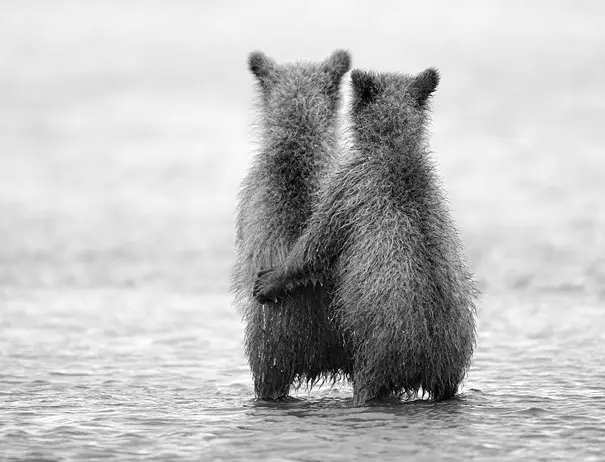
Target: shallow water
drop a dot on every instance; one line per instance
(124, 132)
(93, 374)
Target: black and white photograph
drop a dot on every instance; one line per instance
(302, 231)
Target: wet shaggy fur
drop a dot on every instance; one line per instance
(298, 123)
(382, 238)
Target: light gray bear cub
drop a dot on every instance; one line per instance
(299, 105)
(382, 238)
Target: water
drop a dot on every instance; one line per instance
(94, 374)
(123, 137)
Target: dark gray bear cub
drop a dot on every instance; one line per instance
(382, 238)
(299, 104)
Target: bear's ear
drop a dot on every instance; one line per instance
(365, 87)
(424, 85)
(338, 64)
(262, 67)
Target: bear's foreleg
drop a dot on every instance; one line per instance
(273, 285)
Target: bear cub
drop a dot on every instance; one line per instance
(382, 240)
(298, 125)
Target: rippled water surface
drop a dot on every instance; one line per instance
(124, 132)
(106, 373)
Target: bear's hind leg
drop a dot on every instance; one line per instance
(271, 355)
(364, 390)
(444, 391)
(272, 384)
(360, 396)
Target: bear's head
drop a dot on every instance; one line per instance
(387, 106)
(300, 96)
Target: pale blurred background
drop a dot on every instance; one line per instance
(125, 130)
